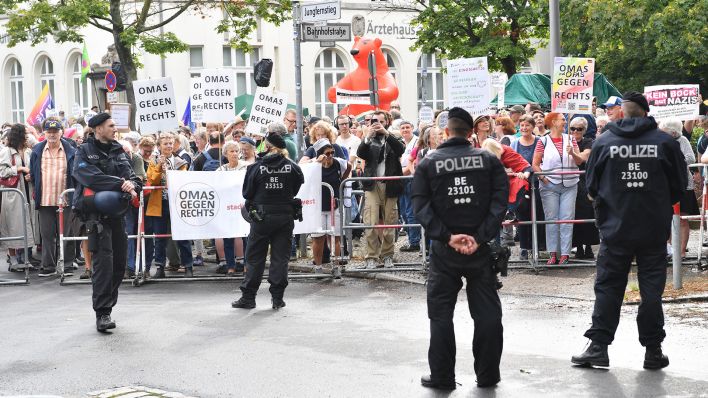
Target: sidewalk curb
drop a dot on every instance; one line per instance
(677, 300)
(372, 276)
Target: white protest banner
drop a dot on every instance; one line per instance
(207, 204)
(426, 114)
(498, 86)
(268, 107)
(673, 101)
(156, 109)
(76, 110)
(218, 93)
(572, 85)
(196, 98)
(359, 97)
(468, 84)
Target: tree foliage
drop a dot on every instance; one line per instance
(134, 24)
(638, 43)
(506, 31)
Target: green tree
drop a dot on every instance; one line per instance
(638, 43)
(134, 24)
(508, 32)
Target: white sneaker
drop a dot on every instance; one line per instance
(388, 262)
(370, 263)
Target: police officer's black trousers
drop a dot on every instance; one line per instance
(108, 264)
(444, 284)
(276, 231)
(613, 265)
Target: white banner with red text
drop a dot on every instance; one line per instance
(207, 204)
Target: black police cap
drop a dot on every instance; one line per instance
(461, 114)
(637, 98)
(98, 119)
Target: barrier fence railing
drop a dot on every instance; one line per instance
(347, 226)
(27, 265)
(141, 276)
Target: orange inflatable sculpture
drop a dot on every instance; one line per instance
(358, 80)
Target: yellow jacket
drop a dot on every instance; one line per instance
(154, 178)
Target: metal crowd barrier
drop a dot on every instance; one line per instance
(346, 226)
(25, 212)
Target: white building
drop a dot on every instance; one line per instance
(25, 69)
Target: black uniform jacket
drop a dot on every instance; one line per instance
(460, 189)
(635, 173)
(272, 180)
(101, 171)
(390, 150)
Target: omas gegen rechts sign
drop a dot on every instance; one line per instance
(156, 107)
(196, 203)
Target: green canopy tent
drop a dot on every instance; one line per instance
(244, 103)
(523, 88)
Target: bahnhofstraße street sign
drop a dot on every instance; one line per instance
(330, 32)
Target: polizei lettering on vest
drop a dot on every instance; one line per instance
(633, 151)
(459, 164)
(283, 170)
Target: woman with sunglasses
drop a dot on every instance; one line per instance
(558, 152)
(584, 235)
(334, 170)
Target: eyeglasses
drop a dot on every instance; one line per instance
(290, 121)
(577, 128)
(342, 124)
(329, 154)
(367, 121)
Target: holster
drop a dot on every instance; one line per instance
(297, 209)
(94, 228)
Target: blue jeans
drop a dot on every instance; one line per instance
(161, 226)
(230, 251)
(131, 228)
(559, 204)
(407, 215)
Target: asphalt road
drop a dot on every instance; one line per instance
(346, 338)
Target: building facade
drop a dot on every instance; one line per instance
(25, 69)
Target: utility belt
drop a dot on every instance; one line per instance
(258, 212)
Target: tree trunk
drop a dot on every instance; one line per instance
(509, 65)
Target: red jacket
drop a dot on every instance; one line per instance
(512, 160)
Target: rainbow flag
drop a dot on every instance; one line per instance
(39, 110)
(85, 64)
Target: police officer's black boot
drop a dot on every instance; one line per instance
(244, 302)
(189, 272)
(655, 358)
(104, 323)
(594, 355)
(426, 381)
(277, 303)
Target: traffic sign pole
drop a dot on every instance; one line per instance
(298, 78)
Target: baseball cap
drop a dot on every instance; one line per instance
(612, 101)
(52, 124)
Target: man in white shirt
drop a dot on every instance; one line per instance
(346, 139)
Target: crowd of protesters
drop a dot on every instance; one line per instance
(38, 161)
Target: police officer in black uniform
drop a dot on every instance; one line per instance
(105, 183)
(634, 175)
(269, 188)
(459, 195)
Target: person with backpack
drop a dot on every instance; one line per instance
(211, 159)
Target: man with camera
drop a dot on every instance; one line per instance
(459, 195)
(105, 184)
(381, 153)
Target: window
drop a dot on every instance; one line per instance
(81, 89)
(430, 82)
(242, 63)
(46, 75)
(391, 61)
(17, 105)
(196, 57)
(329, 68)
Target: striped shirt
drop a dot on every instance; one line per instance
(53, 175)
